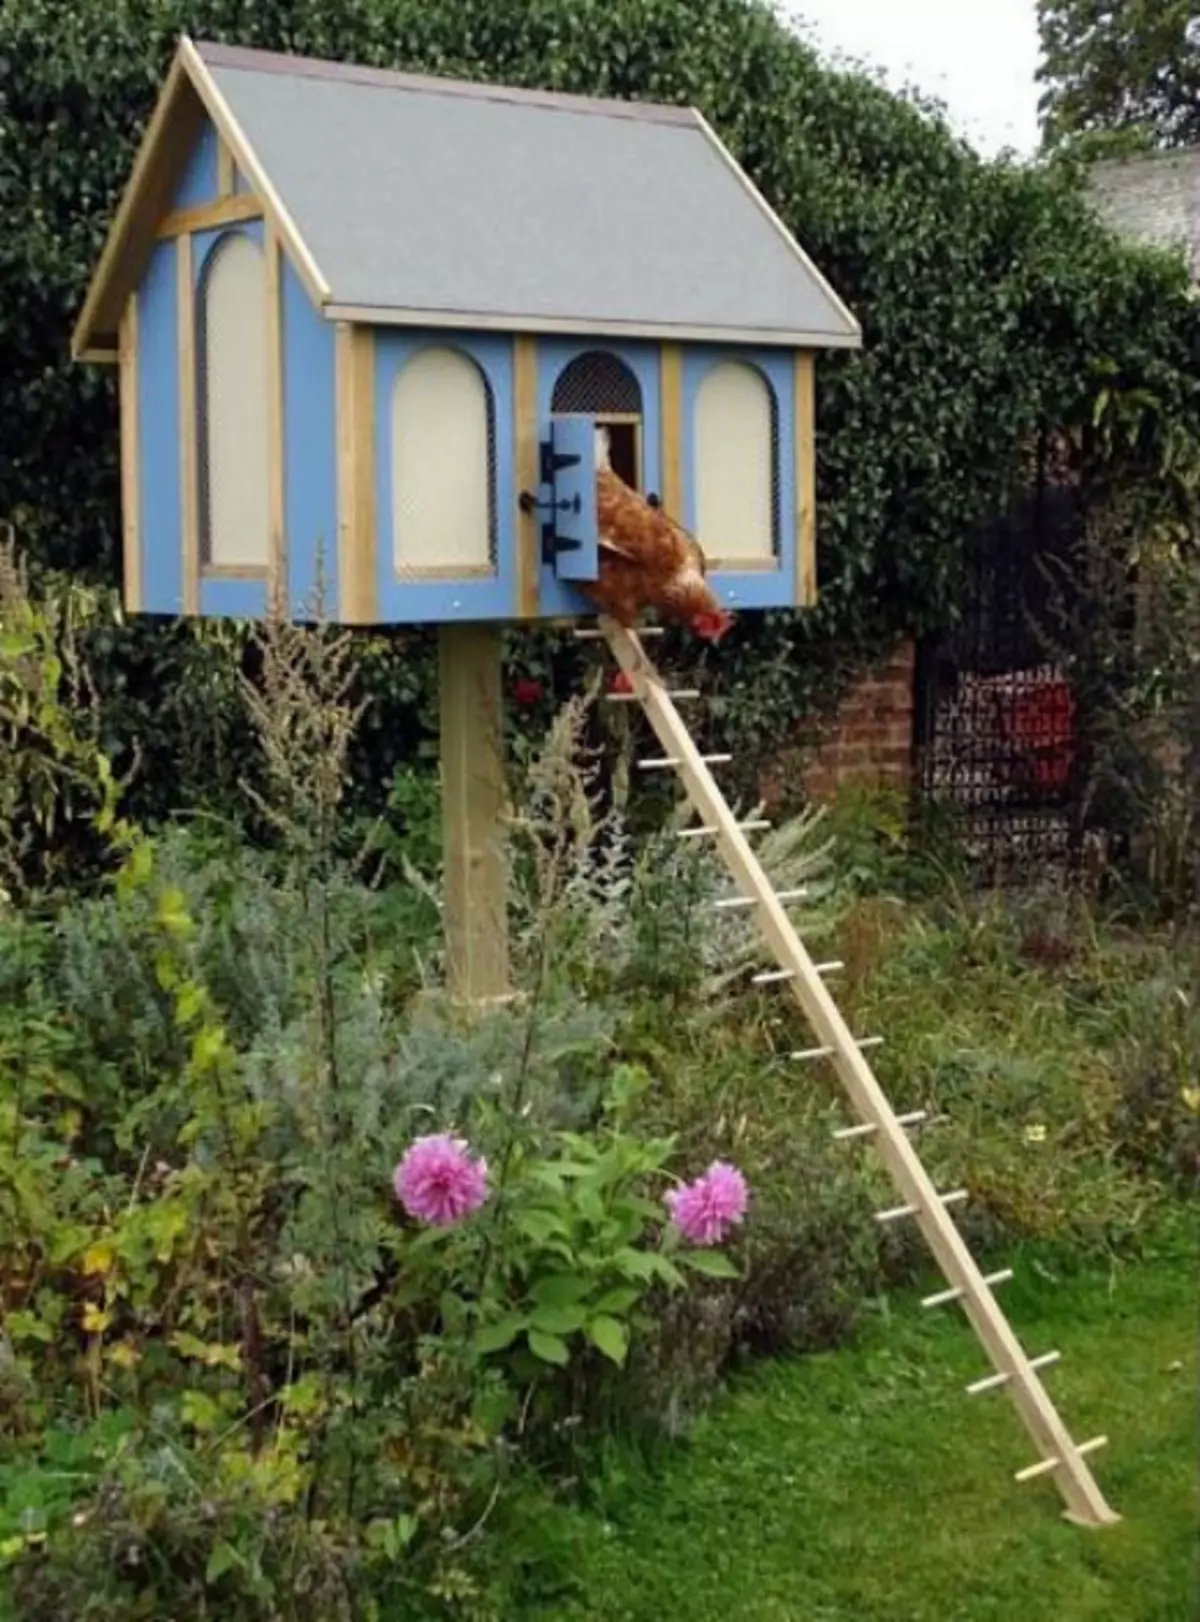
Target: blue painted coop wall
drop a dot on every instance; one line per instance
(761, 586)
(303, 457)
(158, 482)
(409, 592)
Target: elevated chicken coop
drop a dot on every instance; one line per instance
(476, 356)
(367, 326)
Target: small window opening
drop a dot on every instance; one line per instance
(624, 449)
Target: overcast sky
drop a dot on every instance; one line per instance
(976, 56)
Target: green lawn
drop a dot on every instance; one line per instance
(866, 1485)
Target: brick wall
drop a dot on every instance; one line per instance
(868, 742)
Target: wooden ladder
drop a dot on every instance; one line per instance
(1058, 1455)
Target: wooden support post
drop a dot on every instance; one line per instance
(475, 864)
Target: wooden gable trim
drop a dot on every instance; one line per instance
(224, 211)
(246, 162)
(174, 125)
(188, 96)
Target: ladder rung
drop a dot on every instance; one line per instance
(829, 968)
(589, 633)
(955, 1197)
(771, 976)
(709, 828)
(993, 1382)
(1045, 1466)
(828, 1053)
(869, 1128)
(943, 1296)
(660, 763)
(731, 902)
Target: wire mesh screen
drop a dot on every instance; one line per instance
(596, 384)
(998, 713)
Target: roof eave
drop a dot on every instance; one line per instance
(95, 328)
(375, 315)
(843, 310)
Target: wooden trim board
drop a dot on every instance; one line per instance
(206, 216)
(247, 161)
(357, 562)
(525, 440)
(382, 315)
(671, 408)
(276, 555)
(131, 482)
(225, 168)
(806, 482)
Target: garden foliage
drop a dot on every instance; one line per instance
(248, 1370)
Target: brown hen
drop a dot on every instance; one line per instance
(647, 560)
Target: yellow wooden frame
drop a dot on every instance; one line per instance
(525, 441)
(670, 405)
(355, 393)
(277, 539)
(143, 216)
(806, 481)
(247, 162)
(207, 216)
(226, 172)
(131, 497)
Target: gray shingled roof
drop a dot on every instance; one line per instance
(1153, 199)
(428, 195)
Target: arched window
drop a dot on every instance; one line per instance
(443, 465)
(736, 459)
(234, 456)
(596, 384)
(600, 385)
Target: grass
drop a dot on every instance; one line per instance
(864, 1484)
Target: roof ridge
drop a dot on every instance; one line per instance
(216, 55)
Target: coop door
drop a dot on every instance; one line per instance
(569, 468)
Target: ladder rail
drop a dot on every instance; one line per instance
(1078, 1487)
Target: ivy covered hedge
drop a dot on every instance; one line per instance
(992, 301)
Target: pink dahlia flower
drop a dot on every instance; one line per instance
(438, 1182)
(705, 1210)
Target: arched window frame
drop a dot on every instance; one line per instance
(786, 580)
(773, 454)
(211, 248)
(418, 599)
(414, 572)
(613, 398)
